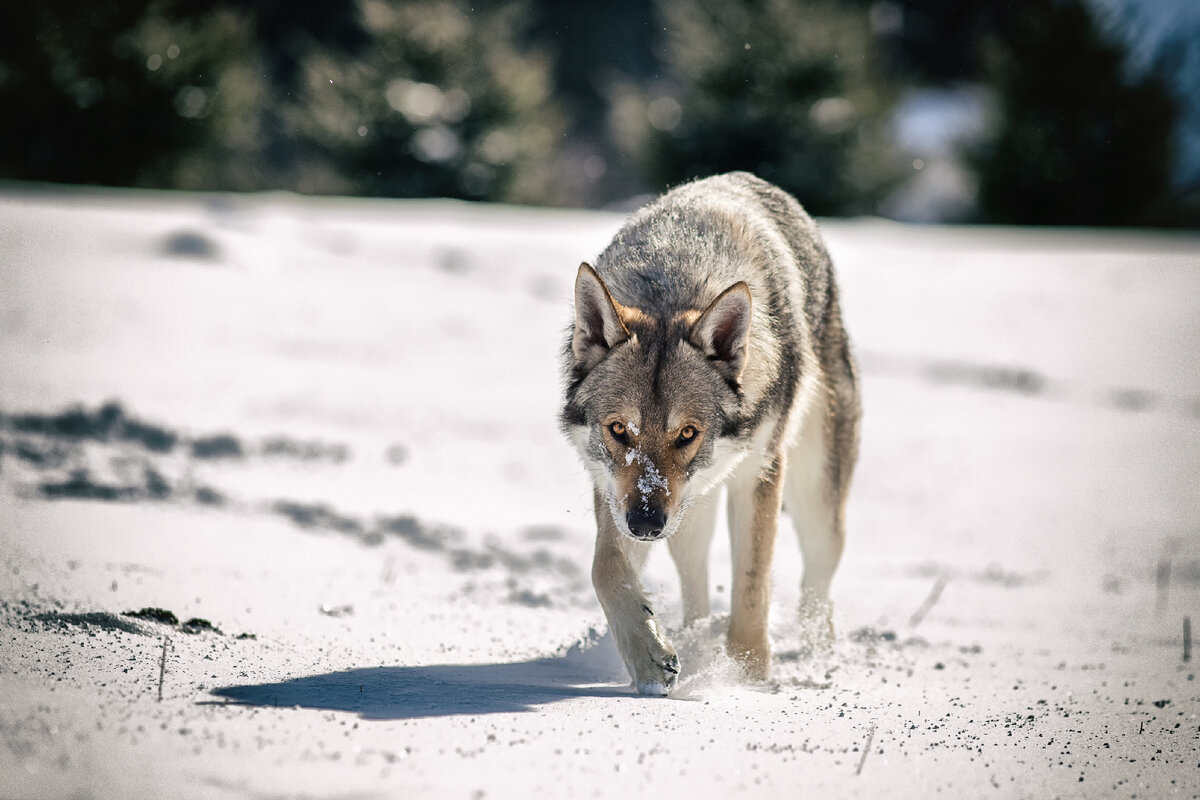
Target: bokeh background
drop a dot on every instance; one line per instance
(1075, 112)
(327, 426)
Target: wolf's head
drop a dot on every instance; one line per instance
(652, 402)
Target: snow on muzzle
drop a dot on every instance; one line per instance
(646, 516)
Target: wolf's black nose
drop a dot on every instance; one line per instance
(646, 523)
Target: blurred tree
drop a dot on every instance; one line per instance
(444, 103)
(250, 143)
(932, 42)
(776, 87)
(162, 93)
(544, 102)
(599, 49)
(378, 97)
(83, 100)
(1081, 140)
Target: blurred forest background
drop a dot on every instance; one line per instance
(1077, 112)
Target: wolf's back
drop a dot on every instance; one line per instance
(684, 249)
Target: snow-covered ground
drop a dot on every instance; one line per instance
(327, 427)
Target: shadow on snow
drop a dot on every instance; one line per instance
(432, 691)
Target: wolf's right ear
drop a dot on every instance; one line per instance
(598, 325)
(723, 331)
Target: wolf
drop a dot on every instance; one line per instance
(708, 351)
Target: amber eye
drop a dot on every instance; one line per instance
(619, 432)
(687, 435)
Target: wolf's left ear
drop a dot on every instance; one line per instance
(723, 331)
(598, 325)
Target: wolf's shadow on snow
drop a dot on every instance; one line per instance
(389, 693)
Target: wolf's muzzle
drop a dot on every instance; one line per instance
(646, 524)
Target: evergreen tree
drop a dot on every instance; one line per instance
(769, 86)
(1081, 141)
(408, 98)
(84, 102)
(444, 103)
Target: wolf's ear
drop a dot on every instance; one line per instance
(723, 331)
(598, 325)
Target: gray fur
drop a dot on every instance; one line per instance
(651, 363)
(681, 251)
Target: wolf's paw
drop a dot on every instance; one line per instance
(651, 660)
(752, 655)
(665, 673)
(816, 622)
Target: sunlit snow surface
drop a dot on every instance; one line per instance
(330, 425)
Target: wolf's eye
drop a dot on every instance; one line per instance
(686, 436)
(619, 432)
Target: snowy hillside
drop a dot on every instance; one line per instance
(324, 433)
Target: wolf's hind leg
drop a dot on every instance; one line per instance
(815, 505)
(689, 550)
(754, 498)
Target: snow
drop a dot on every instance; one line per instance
(365, 474)
(651, 479)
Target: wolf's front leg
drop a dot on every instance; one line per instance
(754, 500)
(649, 657)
